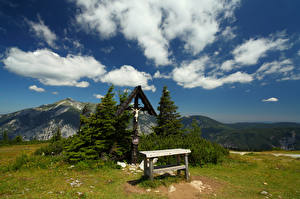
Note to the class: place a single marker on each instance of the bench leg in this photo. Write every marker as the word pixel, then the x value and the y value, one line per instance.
pixel 187 175
pixel 178 163
pixel 151 169
pixel 146 169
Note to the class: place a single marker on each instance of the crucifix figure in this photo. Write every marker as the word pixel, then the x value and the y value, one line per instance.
pixel 136 113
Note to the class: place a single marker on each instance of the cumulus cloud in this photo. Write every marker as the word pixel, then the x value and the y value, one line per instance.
pixel 128 76
pixel 192 74
pixel 51 69
pixel 228 33
pixel 55 93
pixel 35 88
pixel 278 67
pixel 154 23
pixel 43 32
pixel 228 65
pixel 98 96
pixel 158 75
pixel 272 99
pixel 249 52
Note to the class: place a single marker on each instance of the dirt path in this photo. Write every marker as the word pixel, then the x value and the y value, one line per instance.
pixel 196 188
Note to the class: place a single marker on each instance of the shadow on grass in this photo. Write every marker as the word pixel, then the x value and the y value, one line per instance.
pixel 165 180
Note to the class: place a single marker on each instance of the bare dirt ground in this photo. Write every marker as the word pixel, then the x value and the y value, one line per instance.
pixel 198 186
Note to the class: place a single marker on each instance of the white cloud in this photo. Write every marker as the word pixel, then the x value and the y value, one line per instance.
pixel 35 88
pixel 192 74
pixel 51 69
pixel 240 77
pixel 227 65
pixel 128 76
pixel 228 33
pixel 154 23
pixel 158 75
pixel 252 50
pixel 107 50
pixel 98 96
pixel 279 67
pixel 55 93
pixel 43 32
pixel 272 99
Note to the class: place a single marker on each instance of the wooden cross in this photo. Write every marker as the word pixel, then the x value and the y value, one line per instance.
pixel 136 94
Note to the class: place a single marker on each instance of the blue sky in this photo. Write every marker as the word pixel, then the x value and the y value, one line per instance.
pixel 233 60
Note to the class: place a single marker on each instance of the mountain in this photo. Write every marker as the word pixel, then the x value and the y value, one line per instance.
pixel 248 136
pixel 42 122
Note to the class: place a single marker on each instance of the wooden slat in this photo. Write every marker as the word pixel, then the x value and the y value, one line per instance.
pixel 168 168
pixel 167 152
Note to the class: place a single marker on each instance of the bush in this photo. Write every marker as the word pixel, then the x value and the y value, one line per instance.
pixel 20 161
pixel 54 148
pixel 202 151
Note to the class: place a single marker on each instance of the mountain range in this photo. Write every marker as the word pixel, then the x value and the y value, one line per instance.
pixel 42 122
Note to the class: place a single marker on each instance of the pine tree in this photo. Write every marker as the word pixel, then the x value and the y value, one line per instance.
pixel 5 137
pixel 18 139
pixel 168 122
pixel 57 136
pixel 195 128
pixel 104 123
pixel 96 134
pixel 122 138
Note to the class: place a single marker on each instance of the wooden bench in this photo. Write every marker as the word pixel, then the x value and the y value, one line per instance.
pixel 150 155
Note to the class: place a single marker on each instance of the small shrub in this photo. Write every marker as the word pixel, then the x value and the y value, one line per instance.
pixel 20 161
pixel 54 148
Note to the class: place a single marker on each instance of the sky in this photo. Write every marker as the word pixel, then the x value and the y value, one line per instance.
pixel 231 60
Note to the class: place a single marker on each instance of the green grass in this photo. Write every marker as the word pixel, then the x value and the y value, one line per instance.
pixel 238 177
pixel 246 176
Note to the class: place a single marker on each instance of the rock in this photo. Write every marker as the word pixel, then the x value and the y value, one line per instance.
pixel 75 183
pixel 197 184
pixel 156 191
pixel 122 164
pixel 79 193
pixel 148 190
pixel 265 183
pixel 264 193
pixel 72 166
pixel 141 165
pixel 172 189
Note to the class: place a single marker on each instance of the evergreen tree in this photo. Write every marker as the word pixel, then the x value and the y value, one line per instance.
pixel 96 135
pixel 57 135
pixel 5 137
pixel 122 138
pixel 18 139
pixel 168 122
pixel 195 128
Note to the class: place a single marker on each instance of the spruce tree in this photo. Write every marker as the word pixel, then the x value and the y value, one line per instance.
pixel 195 128
pixel 96 135
pixel 122 138
pixel 168 122
pixel 57 136
pixel 5 137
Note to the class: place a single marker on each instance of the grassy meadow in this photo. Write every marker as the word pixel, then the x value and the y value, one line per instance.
pixel 237 177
